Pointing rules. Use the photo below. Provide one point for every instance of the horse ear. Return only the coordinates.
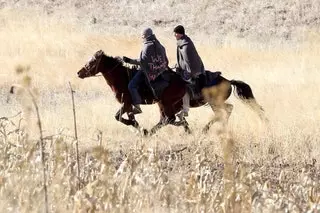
(99, 53)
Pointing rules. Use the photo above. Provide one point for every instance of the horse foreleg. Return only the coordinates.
(136, 124)
(129, 122)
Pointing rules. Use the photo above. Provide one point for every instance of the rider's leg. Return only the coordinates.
(185, 107)
(186, 104)
(159, 85)
(133, 89)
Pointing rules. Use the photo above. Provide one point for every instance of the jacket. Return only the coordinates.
(153, 58)
(188, 58)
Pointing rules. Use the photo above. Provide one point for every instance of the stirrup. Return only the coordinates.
(136, 110)
(182, 114)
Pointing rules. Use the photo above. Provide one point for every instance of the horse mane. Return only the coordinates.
(117, 60)
(113, 60)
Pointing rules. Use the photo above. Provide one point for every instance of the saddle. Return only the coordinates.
(194, 89)
(212, 78)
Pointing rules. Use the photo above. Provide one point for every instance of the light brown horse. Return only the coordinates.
(216, 92)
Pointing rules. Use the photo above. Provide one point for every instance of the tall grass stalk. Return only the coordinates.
(75, 134)
(26, 87)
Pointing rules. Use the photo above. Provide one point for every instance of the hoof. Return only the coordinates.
(205, 130)
(152, 132)
(187, 130)
(145, 132)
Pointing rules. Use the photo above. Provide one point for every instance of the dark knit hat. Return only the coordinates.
(179, 29)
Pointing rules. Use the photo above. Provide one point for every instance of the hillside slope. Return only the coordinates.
(258, 20)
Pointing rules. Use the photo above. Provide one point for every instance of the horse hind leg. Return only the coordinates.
(163, 122)
(216, 97)
(221, 114)
(228, 108)
(212, 121)
(183, 122)
(185, 125)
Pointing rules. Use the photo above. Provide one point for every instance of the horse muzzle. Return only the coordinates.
(82, 73)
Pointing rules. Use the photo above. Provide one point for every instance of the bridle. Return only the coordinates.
(88, 73)
(97, 65)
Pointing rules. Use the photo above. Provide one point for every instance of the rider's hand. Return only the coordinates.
(126, 59)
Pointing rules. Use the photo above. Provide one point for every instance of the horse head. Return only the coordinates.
(91, 68)
(99, 62)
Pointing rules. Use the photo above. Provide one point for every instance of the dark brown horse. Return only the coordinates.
(118, 76)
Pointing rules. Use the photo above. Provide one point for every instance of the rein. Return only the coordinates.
(98, 63)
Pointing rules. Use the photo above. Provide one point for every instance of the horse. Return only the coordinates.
(215, 94)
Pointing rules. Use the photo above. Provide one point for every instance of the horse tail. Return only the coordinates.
(245, 94)
(243, 90)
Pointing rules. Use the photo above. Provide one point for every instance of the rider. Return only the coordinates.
(189, 64)
(153, 62)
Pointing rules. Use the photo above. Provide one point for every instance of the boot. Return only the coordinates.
(181, 115)
(136, 109)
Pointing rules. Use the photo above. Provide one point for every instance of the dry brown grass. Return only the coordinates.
(244, 166)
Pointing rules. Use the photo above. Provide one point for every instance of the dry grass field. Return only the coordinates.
(243, 166)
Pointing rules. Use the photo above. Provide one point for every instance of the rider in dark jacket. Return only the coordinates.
(153, 62)
(189, 63)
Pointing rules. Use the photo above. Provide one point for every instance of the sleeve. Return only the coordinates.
(187, 54)
(166, 57)
(142, 59)
(135, 61)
